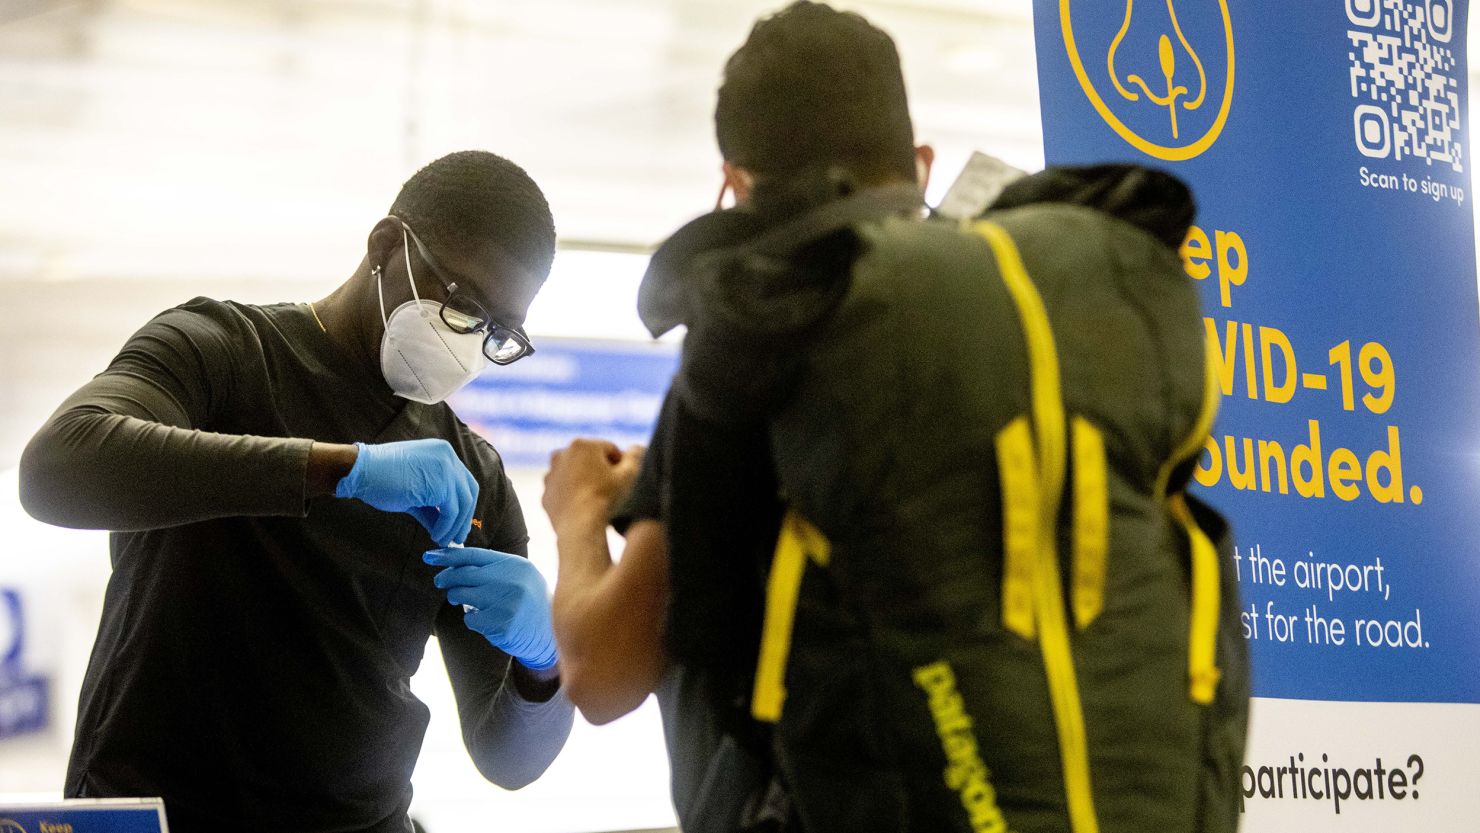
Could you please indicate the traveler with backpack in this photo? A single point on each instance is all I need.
(911, 550)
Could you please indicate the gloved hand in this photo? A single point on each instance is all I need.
(509, 600)
(423, 478)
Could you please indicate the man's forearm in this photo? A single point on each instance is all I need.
(514, 740)
(584, 555)
(93, 470)
(122, 453)
(512, 732)
(584, 559)
(609, 618)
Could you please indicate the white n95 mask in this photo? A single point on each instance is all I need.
(422, 358)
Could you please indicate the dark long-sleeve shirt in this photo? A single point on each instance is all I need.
(252, 664)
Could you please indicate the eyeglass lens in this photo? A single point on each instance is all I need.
(504, 346)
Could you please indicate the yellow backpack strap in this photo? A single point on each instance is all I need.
(1091, 522)
(798, 541)
(1192, 444)
(1202, 638)
(1017, 470)
(1051, 618)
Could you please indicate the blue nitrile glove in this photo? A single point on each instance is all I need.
(423, 478)
(510, 604)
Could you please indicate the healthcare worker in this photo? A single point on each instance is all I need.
(279, 480)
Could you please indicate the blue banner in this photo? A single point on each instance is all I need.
(25, 697)
(569, 389)
(86, 816)
(1325, 144)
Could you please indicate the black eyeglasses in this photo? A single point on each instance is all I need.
(464, 314)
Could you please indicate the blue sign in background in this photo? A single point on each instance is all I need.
(569, 389)
(1331, 255)
(25, 697)
(147, 816)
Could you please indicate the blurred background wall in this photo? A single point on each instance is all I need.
(156, 150)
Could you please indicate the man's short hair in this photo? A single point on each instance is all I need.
(814, 88)
(473, 196)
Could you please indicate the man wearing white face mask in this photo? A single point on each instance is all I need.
(279, 480)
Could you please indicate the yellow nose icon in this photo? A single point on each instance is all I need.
(1169, 68)
(1166, 54)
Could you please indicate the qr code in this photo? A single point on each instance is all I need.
(1404, 78)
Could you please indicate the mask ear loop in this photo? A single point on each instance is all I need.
(380, 292)
(406, 251)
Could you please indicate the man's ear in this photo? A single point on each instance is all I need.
(924, 161)
(384, 239)
(740, 181)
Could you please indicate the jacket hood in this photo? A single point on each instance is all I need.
(734, 254)
(1154, 201)
(738, 259)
